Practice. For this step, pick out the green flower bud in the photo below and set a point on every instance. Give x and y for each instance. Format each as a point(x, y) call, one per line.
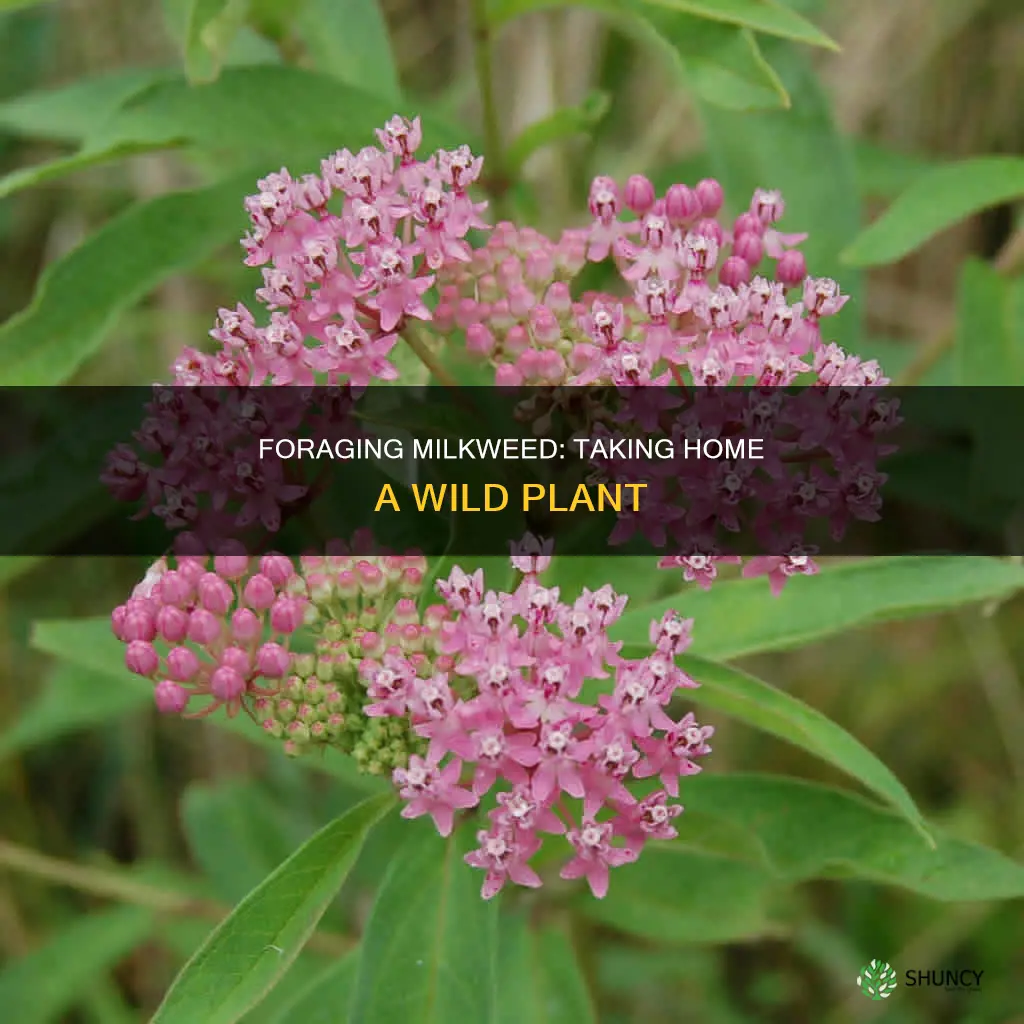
point(304, 665)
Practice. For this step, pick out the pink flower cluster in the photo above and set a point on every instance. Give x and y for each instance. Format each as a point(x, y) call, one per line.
point(698, 306)
point(517, 702)
point(348, 255)
point(816, 467)
point(196, 461)
point(513, 710)
point(221, 629)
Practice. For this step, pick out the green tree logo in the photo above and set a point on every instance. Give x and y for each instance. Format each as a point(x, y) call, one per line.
point(877, 980)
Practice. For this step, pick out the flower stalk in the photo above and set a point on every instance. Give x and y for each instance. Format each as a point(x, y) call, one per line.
point(497, 177)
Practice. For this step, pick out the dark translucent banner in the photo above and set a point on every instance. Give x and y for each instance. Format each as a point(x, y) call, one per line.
point(470, 471)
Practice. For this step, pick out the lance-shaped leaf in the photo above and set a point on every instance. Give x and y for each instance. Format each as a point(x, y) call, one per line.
point(429, 951)
point(252, 948)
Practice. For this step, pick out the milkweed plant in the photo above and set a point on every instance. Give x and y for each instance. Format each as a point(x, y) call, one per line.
point(481, 693)
point(548, 725)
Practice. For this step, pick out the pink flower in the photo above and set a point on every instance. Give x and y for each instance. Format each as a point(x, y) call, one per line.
point(780, 568)
point(595, 855)
point(503, 854)
point(433, 791)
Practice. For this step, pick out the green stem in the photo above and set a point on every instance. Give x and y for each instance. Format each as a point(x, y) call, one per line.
point(495, 172)
point(427, 357)
point(119, 885)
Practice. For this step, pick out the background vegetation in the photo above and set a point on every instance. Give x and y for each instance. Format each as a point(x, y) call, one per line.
point(124, 838)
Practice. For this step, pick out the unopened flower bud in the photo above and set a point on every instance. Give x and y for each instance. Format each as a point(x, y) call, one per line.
point(172, 623)
point(520, 300)
point(735, 271)
point(182, 664)
point(141, 658)
point(711, 229)
point(681, 205)
point(226, 684)
point(711, 196)
point(138, 624)
point(170, 697)
point(286, 615)
point(444, 317)
point(405, 612)
point(371, 579)
point(215, 594)
point(558, 299)
point(544, 325)
point(277, 568)
point(411, 581)
point(259, 592)
point(516, 341)
point(175, 588)
point(238, 659)
point(479, 340)
point(539, 266)
point(303, 665)
point(791, 268)
point(297, 732)
point(231, 566)
point(272, 661)
point(507, 376)
point(747, 224)
point(639, 194)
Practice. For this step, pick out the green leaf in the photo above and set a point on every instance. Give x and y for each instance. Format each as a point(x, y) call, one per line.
point(13, 567)
point(237, 835)
point(325, 1000)
point(73, 112)
point(541, 981)
point(934, 202)
point(808, 830)
point(722, 64)
point(785, 150)
point(676, 894)
point(351, 42)
point(762, 706)
point(986, 349)
point(740, 617)
point(767, 16)
point(15, 5)
point(561, 124)
point(45, 984)
point(429, 950)
point(71, 699)
point(252, 948)
point(79, 298)
point(799, 831)
point(87, 644)
point(269, 114)
point(211, 26)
